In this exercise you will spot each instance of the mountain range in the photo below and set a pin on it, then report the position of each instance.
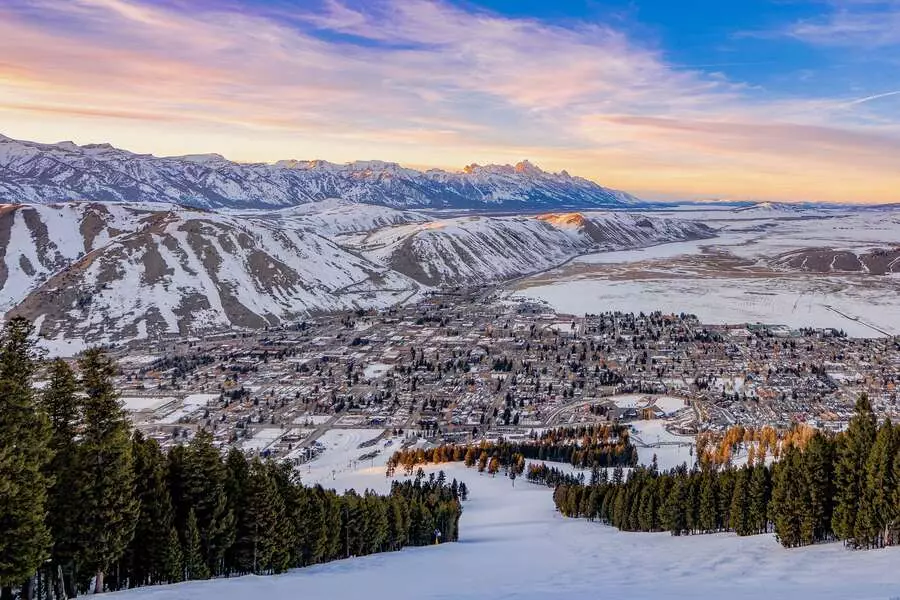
(102, 272)
(32, 172)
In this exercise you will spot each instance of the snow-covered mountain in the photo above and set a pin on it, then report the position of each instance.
(475, 250)
(98, 271)
(105, 272)
(44, 173)
(773, 208)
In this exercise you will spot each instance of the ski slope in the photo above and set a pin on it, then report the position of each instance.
(514, 545)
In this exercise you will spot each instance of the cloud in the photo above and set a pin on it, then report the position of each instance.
(865, 24)
(422, 82)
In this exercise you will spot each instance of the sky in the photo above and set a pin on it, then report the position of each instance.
(795, 100)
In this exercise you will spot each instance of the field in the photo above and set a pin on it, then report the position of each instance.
(743, 275)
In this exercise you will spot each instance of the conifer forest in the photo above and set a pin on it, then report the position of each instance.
(86, 504)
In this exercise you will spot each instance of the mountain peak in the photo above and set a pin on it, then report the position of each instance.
(100, 172)
(527, 168)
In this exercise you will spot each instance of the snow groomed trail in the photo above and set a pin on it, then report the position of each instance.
(514, 545)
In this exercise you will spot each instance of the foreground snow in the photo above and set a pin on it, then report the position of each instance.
(514, 545)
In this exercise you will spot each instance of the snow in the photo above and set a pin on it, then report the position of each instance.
(514, 545)
(340, 454)
(669, 404)
(375, 370)
(263, 438)
(312, 419)
(664, 277)
(144, 403)
(802, 301)
(652, 438)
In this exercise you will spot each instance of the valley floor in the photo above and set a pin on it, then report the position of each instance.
(514, 545)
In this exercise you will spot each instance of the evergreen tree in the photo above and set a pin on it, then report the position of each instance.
(818, 475)
(173, 563)
(202, 487)
(195, 566)
(850, 470)
(148, 552)
(256, 523)
(787, 506)
(109, 506)
(708, 512)
(877, 509)
(62, 404)
(24, 438)
(676, 506)
(740, 504)
(760, 492)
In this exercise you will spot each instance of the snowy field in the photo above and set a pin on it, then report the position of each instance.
(652, 439)
(514, 545)
(804, 301)
(339, 459)
(673, 277)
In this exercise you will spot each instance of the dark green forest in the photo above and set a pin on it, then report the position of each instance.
(85, 501)
(836, 487)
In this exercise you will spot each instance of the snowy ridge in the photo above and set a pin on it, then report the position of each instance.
(153, 273)
(335, 217)
(107, 272)
(39, 173)
(477, 250)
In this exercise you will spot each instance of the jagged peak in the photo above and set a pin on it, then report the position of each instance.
(523, 167)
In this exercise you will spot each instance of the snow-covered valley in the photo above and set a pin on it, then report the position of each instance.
(795, 267)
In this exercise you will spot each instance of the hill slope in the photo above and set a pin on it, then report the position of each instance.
(478, 250)
(107, 272)
(514, 545)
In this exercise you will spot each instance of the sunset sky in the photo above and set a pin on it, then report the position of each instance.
(731, 99)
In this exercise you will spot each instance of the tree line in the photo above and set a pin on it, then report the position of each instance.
(86, 502)
(586, 446)
(833, 487)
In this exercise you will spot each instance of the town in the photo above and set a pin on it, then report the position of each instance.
(462, 366)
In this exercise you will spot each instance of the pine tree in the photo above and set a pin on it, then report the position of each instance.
(877, 510)
(255, 525)
(148, 551)
(173, 563)
(740, 503)
(195, 566)
(202, 487)
(787, 498)
(237, 478)
(708, 512)
(61, 402)
(24, 438)
(109, 506)
(818, 479)
(760, 492)
(676, 506)
(850, 470)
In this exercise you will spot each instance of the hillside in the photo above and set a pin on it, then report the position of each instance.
(514, 545)
(127, 272)
(477, 250)
(105, 272)
(43, 173)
